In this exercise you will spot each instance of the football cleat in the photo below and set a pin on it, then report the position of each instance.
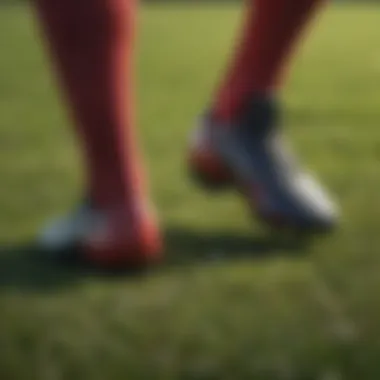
(253, 158)
(109, 238)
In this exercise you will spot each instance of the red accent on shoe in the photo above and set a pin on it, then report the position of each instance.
(125, 241)
(204, 163)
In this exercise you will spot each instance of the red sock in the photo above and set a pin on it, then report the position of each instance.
(271, 31)
(91, 42)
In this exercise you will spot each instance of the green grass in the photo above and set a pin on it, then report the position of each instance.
(230, 303)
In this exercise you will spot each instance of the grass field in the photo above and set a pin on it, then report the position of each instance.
(231, 302)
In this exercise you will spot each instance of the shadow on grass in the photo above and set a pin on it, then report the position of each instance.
(24, 268)
(192, 247)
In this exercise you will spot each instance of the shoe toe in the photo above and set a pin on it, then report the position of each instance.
(302, 205)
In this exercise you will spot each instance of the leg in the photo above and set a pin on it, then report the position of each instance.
(91, 43)
(240, 142)
(269, 39)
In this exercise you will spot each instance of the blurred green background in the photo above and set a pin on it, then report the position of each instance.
(232, 301)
